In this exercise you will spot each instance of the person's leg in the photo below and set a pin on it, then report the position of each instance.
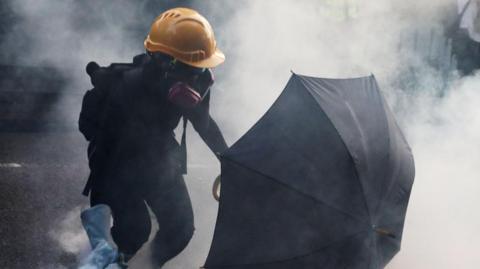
(174, 213)
(131, 219)
(131, 225)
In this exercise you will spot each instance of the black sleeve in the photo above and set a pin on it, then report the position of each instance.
(206, 127)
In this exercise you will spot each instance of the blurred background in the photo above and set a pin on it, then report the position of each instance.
(425, 56)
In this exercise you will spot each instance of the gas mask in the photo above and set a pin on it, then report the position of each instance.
(190, 84)
(183, 95)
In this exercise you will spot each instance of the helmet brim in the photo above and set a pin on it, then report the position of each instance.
(216, 59)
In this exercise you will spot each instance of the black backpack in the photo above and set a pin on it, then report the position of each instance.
(92, 114)
(94, 101)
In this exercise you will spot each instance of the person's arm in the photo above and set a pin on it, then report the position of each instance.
(206, 127)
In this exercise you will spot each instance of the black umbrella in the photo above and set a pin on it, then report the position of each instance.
(322, 180)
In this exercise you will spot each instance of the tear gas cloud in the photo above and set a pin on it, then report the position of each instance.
(268, 38)
(69, 233)
(263, 41)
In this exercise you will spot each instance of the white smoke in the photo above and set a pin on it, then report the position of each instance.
(442, 219)
(268, 38)
(263, 41)
(69, 233)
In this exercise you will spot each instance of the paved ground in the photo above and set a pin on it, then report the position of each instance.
(37, 195)
(41, 177)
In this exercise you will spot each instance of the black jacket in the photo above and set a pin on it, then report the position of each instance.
(131, 133)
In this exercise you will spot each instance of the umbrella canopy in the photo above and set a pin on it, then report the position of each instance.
(322, 180)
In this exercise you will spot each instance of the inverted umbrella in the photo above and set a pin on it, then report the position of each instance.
(322, 180)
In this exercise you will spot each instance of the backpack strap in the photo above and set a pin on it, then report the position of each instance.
(183, 148)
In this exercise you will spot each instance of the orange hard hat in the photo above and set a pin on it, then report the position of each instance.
(185, 35)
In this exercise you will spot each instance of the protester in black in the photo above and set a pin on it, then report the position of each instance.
(129, 119)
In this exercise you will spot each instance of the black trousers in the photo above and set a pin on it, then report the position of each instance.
(131, 220)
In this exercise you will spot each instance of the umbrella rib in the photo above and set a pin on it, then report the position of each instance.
(345, 144)
(296, 190)
(388, 127)
(395, 173)
(296, 257)
(395, 177)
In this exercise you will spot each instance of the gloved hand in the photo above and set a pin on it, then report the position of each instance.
(96, 221)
